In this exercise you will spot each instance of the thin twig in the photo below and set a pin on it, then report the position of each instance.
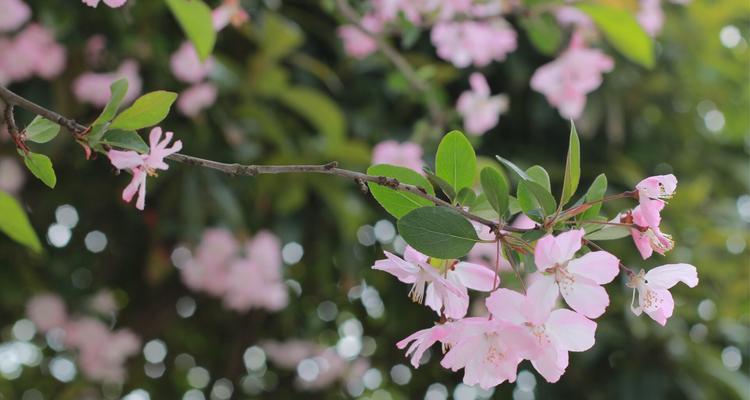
(515, 267)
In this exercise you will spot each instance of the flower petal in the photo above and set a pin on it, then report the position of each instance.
(585, 296)
(572, 331)
(668, 275)
(475, 276)
(599, 266)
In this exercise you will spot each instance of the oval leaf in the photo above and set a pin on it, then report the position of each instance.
(148, 110)
(456, 161)
(195, 19)
(595, 194)
(572, 166)
(41, 130)
(609, 232)
(41, 166)
(438, 232)
(128, 140)
(539, 175)
(496, 189)
(623, 32)
(15, 223)
(532, 196)
(396, 202)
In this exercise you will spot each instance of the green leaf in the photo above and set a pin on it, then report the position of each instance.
(279, 36)
(119, 89)
(609, 232)
(595, 193)
(532, 196)
(41, 130)
(539, 175)
(623, 32)
(438, 232)
(514, 168)
(466, 196)
(483, 208)
(543, 32)
(195, 19)
(456, 161)
(15, 223)
(318, 109)
(396, 202)
(572, 166)
(496, 189)
(441, 183)
(128, 140)
(148, 110)
(41, 166)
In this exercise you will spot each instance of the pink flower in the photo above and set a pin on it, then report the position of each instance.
(420, 341)
(407, 154)
(556, 332)
(566, 81)
(480, 111)
(15, 13)
(568, 15)
(649, 237)
(653, 289)
(111, 3)
(46, 311)
(93, 87)
(35, 52)
(472, 42)
(96, 48)
(208, 269)
(12, 175)
(103, 302)
(651, 192)
(289, 353)
(187, 66)
(196, 98)
(101, 352)
(229, 12)
(489, 351)
(444, 296)
(579, 279)
(651, 16)
(359, 44)
(141, 165)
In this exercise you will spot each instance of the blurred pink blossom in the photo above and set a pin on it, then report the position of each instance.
(289, 353)
(480, 111)
(207, 269)
(651, 16)
(196, 98)
(12, 176)
(473, 42)
(111, 3)
(103, 302)
(569, 15)
(407, 154)
(93, 87)
(35, 52)
(357, 43)
(229, 12)
(187, 66)
(96, 47)
(46, 311)
(14, 14)
(566, 81)
(101, 353)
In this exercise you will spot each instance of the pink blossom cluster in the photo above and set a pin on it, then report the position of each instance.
(407, 154)
(34, 49)
(534, 325)
(102, 353)
(480, 111)
(93, 87)
(245, 275)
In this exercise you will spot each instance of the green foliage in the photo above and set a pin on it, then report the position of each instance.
(572, 167)
(118, 90)
(496, 189)
(127, 140)
(148, 110)
(444, 186)
(594, 194)
(543, 32)
(41, 130)
(194, 17)
(609, 232)
(456, 161)
(438, 232)
(533, 196)
(15, 223)
(623, 32)
(41, 167)
(399, 203)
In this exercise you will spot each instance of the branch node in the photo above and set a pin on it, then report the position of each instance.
(331, 165)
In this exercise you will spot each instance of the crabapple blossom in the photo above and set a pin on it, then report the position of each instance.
(406, 154)
(473, 42)
(579, 280)
(480, 111)
(651, 193)
(648, 237)
(35, 52)
(418, 342)
(653, 287)
(229, 12)
(187, 66)
(359, 44)
(651, 16)
(196, 98)
(110, 3)
(208, 268)
(142, 165)
(93, 88)
(557, 331)
(566, 81)
(101, 352)
(15, 13)
(47, 311)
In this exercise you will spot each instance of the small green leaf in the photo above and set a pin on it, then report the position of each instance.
(118, 90)
(41, 166)
(532, 196)
(514, 168)
(496, 189)
(572, 166)
(41, 130)
(609, 232)
(438, 232)
(456, 161)
(396, 202)
(15, 223)
(148, 110)
(543, 32)
(466, 196)
(483, 208)
(441, 183)
(623, 32)
(539, 175)
(595, 193)
(128, 140)
(195, 19)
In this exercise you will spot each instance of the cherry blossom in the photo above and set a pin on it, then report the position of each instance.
(556, 332)
(187, 66)
(420, 341)
(15, 13)
(407, 154)
(648, 237)
(480, 111)
(207, 270)
(473, 42)
(47, 311)
(142, 165)
(359, 44)
(651, 193)
(110, 3)
(566, 81)
(196, 98)
(653, 287)
(93, 88)
(579, 280)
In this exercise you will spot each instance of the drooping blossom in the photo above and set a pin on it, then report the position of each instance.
(93, 88)
(46, 311)
(489, 351)
(196, 98)
(579, 280)
(101, 352)
(566, 81)
(479, 110)
(557, 331)
(652, 192)
(229, 12)
(647, 234)
(464, 43)
(12, 175)
(650, 16)
(406, 154)
(142, 165)
(359, 44)
(14, 14)
(653, 287)
(110, 3)
(187, 66)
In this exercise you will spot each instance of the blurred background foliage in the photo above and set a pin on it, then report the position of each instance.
(288, 94)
